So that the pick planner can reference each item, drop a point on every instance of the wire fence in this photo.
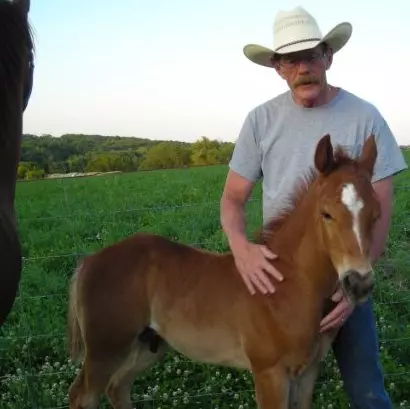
(35, 372)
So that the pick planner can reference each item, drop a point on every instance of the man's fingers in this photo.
(331, 323)
(338, 322)
(248, 284)
(267, 253)
(257, 281)
(264, 281)
(336, 317)
(332, 315)
(338, 295)
(254, 270)
(325, 328)
(272, 271)
(268, 267)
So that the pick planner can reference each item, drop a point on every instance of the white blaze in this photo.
(353, 202)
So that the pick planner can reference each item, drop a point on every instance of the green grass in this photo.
(60, 220)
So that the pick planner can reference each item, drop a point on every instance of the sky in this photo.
(163, 69)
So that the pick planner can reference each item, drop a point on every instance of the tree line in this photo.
(44, 155)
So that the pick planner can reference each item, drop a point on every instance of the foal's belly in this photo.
(210, 344)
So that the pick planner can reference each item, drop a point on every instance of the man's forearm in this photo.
(379, 240)
(384, 192)
(233, 222)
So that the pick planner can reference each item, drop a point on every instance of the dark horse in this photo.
(16, 79)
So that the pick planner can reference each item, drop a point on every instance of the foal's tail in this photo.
(75, 340)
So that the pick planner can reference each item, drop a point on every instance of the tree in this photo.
(166, 155)
(210, 152)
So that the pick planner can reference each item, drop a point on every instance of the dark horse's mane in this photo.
(15, 42)
(293, 200)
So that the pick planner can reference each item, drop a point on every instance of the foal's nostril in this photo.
(352, 279)
(358, 285)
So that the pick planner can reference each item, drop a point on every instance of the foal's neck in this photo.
(299, 243)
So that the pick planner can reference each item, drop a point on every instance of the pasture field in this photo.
(61, 220)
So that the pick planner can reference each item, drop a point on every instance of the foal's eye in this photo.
(327, 216)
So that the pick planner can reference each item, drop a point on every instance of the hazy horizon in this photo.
(176, 71)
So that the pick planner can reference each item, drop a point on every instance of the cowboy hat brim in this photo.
(336, 39)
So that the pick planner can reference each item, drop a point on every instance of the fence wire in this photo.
(34, 334)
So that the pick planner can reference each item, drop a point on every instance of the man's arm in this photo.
(250, 259)
(384, 192)
(390, 161)
(235, 195)
(253, 261)
(244, 171)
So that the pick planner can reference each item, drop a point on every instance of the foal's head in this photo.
(346, 212)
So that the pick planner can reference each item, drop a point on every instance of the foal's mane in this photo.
(301, 188)
(15, 40)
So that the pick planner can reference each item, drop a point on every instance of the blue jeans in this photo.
(356, 352)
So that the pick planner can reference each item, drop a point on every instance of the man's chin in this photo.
(307, 91)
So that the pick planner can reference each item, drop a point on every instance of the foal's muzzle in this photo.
(357, 285)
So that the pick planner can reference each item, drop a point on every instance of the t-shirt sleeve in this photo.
(246, 156)
(390, 159)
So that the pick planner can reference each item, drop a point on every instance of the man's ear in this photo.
(276, 67)
(328, 57)
(329, 62)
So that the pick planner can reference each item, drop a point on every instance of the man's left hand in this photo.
(337, 317)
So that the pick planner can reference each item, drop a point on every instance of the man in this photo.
(277, 141)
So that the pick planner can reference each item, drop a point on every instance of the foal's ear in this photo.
(368, 156)
(324, 159)
(23, 4)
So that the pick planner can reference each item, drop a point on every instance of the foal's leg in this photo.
(301, 394)
(120, 383)
(302, 390)
(88, 386)
(272, 388)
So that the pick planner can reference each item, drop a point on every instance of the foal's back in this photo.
(150, 264)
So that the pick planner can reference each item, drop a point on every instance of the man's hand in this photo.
(337, 317)
(253, 263)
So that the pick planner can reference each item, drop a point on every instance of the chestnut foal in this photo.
(132, 301)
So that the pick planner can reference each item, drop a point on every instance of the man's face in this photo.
(305, 71)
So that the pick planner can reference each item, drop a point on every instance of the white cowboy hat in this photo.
(297, 30)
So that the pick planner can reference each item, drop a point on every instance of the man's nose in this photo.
(303, 68)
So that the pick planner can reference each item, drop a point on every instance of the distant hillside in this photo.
(43, 155)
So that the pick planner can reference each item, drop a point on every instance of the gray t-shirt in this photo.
(278, 140)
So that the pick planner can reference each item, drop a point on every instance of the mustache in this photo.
(306, 80)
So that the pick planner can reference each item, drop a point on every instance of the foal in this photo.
(133, 300)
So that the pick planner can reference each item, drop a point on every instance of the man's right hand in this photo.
(254, 264)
